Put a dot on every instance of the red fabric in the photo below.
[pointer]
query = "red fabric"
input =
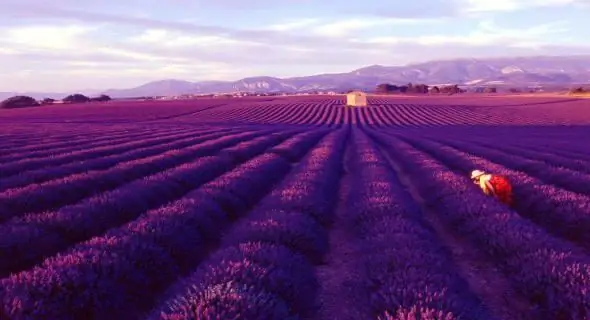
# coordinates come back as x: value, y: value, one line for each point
x: 502, y: 188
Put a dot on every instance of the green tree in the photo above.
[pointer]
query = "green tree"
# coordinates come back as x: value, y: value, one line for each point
x: 76, y: 98
x: 18, y: 102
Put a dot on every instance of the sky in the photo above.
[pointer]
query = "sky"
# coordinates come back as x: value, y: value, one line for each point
x: 68, y: 45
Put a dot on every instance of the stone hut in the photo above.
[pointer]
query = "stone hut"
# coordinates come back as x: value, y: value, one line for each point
x: 356, y: 99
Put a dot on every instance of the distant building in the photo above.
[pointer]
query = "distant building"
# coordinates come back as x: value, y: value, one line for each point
x: 356, y: 99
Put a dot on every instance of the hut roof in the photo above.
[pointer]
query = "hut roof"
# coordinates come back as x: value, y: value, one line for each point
x: 357, y: 92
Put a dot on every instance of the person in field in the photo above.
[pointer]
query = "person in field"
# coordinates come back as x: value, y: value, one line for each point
x: 493, y: 185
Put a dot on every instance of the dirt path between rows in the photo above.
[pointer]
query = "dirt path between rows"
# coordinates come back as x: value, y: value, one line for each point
x: 341, y: 288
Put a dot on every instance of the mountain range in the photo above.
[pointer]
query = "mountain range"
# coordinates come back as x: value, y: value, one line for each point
x: 502, y: 72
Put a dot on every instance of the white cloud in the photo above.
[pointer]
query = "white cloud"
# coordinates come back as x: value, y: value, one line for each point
x: 168, y: 38
x: 152, y: 36
x: 128, y: 54
x: 120, y: 55
x: 474, y: 6
x: 157, y: 71
x: 23, y: 74
x: 8, y: 51
x: 82, y: 63
x: 293, y: 25
x: 46, y: 37
x: 346, y: 26
x: 487, y: 33
x: 204, y: 41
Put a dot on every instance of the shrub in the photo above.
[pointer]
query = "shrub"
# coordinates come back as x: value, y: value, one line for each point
x: 578, y: 91
x: 76, y: 98
x: 101, y: 98
x: 18, y: 102
x: 47, y: 101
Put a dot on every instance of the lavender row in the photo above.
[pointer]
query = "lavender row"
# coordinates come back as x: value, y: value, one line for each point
x: 60, y: 142
x: 563, y: 177
x: 551, y: 273
x: 563, y: 148
x: 73, y: 146
x: 561, y: 212
x: 56, y: 193
x: 11, y: 144
x: 27, y: 240
x: 239, y: 190
x: 261, y: 174
x: 251, y: 280
x: 550, y: 134
x: 103, y: 163
x: 253, y: 178
x: 235, y: 194
x: 408, y: 271
x: 13, y: 168
x: 53, y: 231
x: 42, y: 141
x: 578, y: 150
x: 568, y: 147
x: 154, y: 249
x: 298, y: 148
x: 311, y: 188
x: 573, y: 147
x: 253, y: 173
x: 263, y: 269
x: 549, y: 158
x: 554, y: 169
x: 290, y: 149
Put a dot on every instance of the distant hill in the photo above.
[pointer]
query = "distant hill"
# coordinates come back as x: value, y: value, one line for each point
x: 518, y: 72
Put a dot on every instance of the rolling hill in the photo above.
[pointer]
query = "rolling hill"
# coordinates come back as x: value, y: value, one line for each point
x: 516, y: 71
x: 519, y: 71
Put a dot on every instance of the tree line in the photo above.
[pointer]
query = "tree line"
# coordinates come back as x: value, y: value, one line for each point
x: 579, y: 90
x: 386, y: 88
x: 26, y: 101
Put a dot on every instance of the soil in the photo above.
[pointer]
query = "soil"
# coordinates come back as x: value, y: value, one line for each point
x: 340, y: 294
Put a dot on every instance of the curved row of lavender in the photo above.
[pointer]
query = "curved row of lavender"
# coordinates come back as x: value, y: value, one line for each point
x: 310, y: 111
x: 177, y: 217
x: 411, y: 111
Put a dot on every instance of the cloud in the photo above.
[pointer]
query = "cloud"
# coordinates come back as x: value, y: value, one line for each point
x: 487, y: 33
x: 45, y: 36
x: 423, y: 9
x: 259, y: 35
x: 139, y: 56
x: 346, y: 26
x: 168, y: 38
x: 487, y: 38
x: 293, y: 24
x: 120, y: 48
x: 277, y: 33
x: 54, y: 13
x: 8, y: 51
x: 512, y: 5
x: 173, y: 69
x: 259, y: 54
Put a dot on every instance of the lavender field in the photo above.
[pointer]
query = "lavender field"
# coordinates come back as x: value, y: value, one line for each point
x: 295, y: 208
